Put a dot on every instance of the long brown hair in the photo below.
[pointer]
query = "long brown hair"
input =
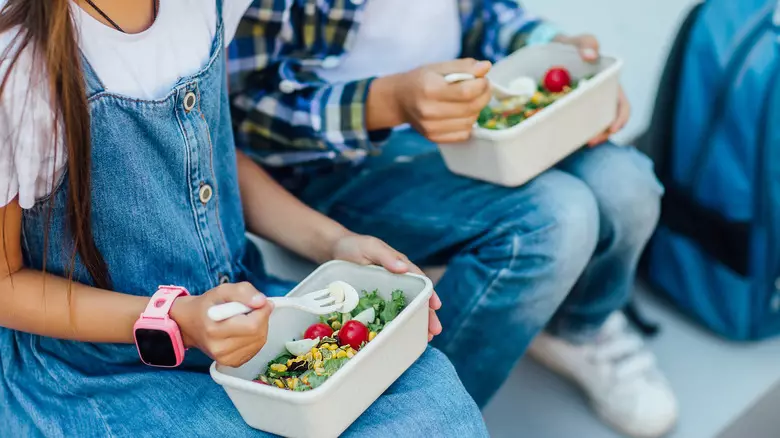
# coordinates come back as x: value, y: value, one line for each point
x: 46, y: 27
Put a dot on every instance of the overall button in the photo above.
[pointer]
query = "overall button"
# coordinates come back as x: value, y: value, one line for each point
x: 205, y: 193
x: 331, y: 62
x: 189, y: 101
x: 224, y: 279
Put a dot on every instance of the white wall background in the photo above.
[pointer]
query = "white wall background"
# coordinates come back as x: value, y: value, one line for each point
x: 638, y: 31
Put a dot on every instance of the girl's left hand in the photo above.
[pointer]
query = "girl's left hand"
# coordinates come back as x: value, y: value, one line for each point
x: 588, y: 47
x: 367, y: 250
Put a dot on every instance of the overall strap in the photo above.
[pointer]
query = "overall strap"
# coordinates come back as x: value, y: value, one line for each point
x: 91, y: 81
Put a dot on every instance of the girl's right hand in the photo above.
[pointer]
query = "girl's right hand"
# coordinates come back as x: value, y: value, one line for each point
x: 231, y: 342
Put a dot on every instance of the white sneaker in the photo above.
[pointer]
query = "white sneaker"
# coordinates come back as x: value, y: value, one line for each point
x: 618, y: 374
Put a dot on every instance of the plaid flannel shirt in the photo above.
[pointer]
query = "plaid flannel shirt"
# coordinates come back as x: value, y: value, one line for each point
x: 284, y: 115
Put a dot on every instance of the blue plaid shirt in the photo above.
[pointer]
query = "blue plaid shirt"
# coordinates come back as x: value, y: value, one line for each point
x: 284, y: 115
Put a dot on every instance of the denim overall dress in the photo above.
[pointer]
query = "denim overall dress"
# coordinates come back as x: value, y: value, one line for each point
x: 167, y: 210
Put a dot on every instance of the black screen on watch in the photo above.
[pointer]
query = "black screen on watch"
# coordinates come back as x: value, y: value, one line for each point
x: 155, y: 347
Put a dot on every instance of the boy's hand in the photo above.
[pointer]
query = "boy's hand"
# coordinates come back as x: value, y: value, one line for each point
x: 231, y: 342
x: 441, y: 111
x: 588, y: 47
x: 367, y: 250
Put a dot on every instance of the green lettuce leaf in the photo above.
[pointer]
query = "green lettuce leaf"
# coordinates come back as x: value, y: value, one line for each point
x: 393, y: 307
x: 333, y: 365
x: 371, y: 299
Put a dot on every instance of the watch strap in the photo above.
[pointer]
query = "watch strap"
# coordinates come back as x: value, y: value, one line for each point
x: 162, y: 300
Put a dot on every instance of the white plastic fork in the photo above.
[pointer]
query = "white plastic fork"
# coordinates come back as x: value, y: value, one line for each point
x: 458, y: 77
x: 320, y: 302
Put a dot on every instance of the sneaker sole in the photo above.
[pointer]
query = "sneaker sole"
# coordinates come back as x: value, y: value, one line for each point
x: 544, y: 360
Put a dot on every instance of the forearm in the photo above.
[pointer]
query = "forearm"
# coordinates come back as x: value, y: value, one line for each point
x: 272, y: 212
x: 382, y: 109
x: 34, y: 302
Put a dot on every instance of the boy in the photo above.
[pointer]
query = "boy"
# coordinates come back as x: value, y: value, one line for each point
x: 344, y: 102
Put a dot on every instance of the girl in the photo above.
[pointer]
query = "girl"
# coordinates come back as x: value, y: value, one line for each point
x: 122, y: 175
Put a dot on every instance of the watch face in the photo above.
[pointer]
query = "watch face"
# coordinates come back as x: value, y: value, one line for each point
x: 155, y: 347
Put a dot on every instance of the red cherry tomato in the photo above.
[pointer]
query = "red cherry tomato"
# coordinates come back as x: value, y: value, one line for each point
x: 318, y: 330
x: 556, y: 79
x: 353, y: 333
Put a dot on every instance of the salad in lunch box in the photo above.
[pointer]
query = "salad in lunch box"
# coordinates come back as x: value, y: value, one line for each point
x: 531, y: 98
x: 329, y: 344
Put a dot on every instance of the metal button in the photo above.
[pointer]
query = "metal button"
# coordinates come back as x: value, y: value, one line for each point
x: 189, y: 101
x: 287, y: 87
x: 331, y: 62
x: 224, y: 279
x: 205, y: 193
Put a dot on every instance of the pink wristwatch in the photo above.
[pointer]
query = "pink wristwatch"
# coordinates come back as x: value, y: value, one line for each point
x: 157, y: 336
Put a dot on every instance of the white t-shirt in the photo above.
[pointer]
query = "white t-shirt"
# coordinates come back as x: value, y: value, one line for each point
x: 392, y: 40
x: 144, y: 66
x: 397, y: 36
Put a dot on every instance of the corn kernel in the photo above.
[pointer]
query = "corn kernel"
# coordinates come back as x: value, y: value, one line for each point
x: 305, y: 380
x: 371, y: 336
x: 537, y: 97
x: 332, y: 347
x: 318, y: 355
x: 336, y: 325
x: 350, y: 353
x: 279, y: 367
x: 314, y: 350
x: 341, y: 354
x: 279, y: 383
x: 325, y: 346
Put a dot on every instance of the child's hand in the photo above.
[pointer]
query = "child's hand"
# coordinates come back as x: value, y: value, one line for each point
x: 441, y: 111
x: 588, y: 47
x: 367, y: 250
x: 231, y: 342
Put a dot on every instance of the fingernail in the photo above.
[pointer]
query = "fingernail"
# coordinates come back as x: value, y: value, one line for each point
x: 258, y: 300
x: 483, y: 64
x: 398, y: 264
x: 589, y: 53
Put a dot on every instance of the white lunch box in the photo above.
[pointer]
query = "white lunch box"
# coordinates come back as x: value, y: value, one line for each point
x: 328, y: 410
x: 511, y: 157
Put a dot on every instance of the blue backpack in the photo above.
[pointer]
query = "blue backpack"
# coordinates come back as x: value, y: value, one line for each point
x: 715, y: 135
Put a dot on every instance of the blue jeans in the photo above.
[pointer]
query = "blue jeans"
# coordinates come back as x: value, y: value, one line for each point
x: 427, y: 400
x: 559, y: 252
